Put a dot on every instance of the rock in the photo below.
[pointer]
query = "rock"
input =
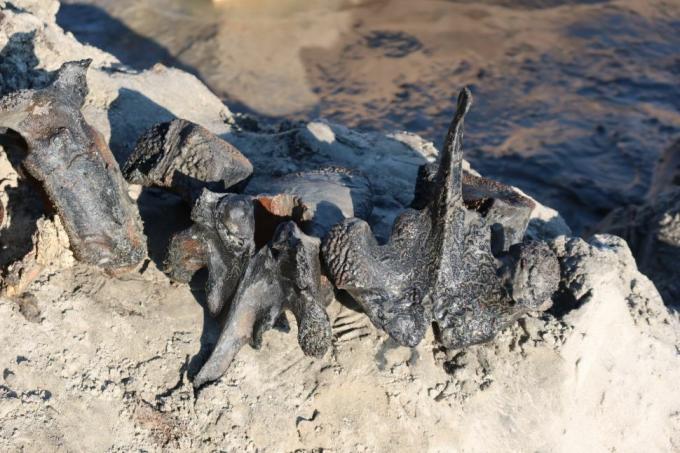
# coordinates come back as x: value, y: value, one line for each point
x: 50, y: 249
x: 667, y: 172
x: 328, y: 195
x: 652, y: 229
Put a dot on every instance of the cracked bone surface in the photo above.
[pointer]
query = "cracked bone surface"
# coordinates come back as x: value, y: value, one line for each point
x: 439, y: 263
x: 284, y: 274
x: 75, y: 167
x: 262, y: 254
x: 186, y: 158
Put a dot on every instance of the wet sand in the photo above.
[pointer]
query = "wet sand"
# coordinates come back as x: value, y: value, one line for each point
x: 575, y: 101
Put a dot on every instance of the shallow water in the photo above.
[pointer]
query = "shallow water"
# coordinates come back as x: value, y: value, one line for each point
x: 575, y: 100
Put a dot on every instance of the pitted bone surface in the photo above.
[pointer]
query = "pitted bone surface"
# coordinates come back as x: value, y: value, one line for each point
x: 439, y: 263
x: 186, y: 158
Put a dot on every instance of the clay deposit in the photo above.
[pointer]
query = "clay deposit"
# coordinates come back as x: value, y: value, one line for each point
x: 95, y: 363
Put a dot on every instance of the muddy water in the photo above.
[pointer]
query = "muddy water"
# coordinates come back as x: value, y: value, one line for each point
x: 575, y: 100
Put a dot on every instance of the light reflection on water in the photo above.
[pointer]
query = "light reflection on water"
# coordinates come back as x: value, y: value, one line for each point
x: 574, y: 100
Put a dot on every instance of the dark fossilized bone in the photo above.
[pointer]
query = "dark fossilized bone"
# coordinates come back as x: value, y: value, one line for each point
x: 284, y: 274
x: 439, y: 263
x: 499, y: 203
x: 456, y: 258
x: 77, y: 170
x: 261, y: 260
x: 222, y: 239
x: 186, y: 158
x: 229, y: 228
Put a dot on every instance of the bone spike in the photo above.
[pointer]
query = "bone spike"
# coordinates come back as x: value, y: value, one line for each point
x: 449, y: 175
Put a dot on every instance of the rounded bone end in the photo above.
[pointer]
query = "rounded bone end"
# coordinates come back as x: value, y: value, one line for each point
x: 534, y: 275
x: 314, y: 333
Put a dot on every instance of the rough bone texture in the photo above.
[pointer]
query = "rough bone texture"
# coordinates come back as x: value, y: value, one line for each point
x: 186, y: 158
x: 498, y: 203
x: 221, y: 239
x: 257, y: 283
x: 76, y: 169
x: 285, y: 274
x: 261, y: 262
x: 446, y: 262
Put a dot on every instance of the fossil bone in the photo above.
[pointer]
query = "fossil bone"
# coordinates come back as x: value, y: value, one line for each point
x: 76, y: 169
x: 439, y: 263
x: 284, y: 274
x: 262, y: 255
x: 186, y: 158
x: 222, y: 239
x: 498, y: 203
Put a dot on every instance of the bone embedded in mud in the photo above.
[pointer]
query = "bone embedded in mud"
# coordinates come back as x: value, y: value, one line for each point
x: 260, y: 261
x: 222, y: 239
x: 448, y: 262
x: 76, y: 169
x: 285, y: 274
x: 256, y: 283
x: 186, y: 158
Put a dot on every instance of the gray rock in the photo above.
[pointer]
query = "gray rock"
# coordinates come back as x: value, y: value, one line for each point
x: 652, y: 229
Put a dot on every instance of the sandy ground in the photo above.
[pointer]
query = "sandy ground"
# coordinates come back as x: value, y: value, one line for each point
x: 94, y: 363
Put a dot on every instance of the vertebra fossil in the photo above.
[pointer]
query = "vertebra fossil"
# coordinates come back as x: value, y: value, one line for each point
x: 76, y: 169
x: 439, y: 264
x: 457, y: 259
x: 260, y: 261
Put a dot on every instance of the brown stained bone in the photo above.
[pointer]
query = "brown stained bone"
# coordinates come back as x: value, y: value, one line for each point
x: 186, y: 158
x: 229, y: 228
x: 221, y: 239
x: 76, y: 169
x: 257, y: 281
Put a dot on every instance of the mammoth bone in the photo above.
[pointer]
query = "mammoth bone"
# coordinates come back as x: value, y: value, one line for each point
x: 75, y: 167
x: 262, y: 254
x: 186, y: 158
x: 446, y: 262
x: 456, y: 258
